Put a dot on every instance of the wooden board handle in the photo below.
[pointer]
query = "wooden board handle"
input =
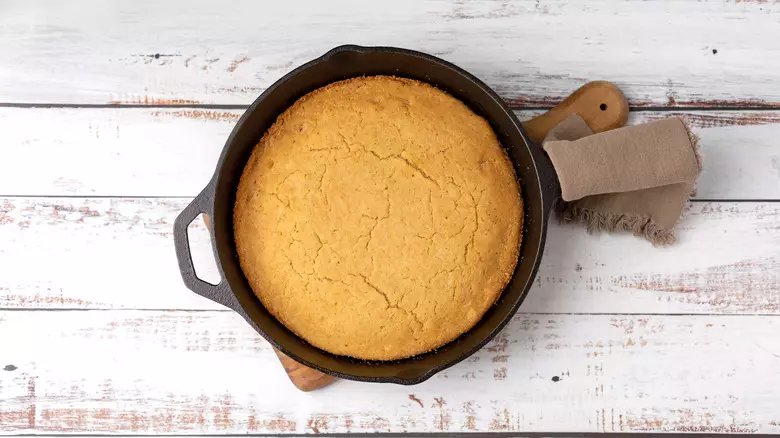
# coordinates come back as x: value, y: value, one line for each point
x: 600, y: 103
x: 303, y: 377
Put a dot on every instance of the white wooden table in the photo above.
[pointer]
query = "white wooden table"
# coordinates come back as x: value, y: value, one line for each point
x: 112, y: 115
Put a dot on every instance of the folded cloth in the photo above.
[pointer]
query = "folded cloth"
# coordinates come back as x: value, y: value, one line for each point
x: 637, y: 178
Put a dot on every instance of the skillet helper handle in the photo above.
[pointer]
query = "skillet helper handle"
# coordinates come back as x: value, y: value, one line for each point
x: 304, y: 378
x: 215, y: 292
x: 600, y: 103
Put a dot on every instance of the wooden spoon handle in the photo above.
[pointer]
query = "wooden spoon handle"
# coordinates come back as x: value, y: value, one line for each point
x: 303, y: 377
x: 600, y: 103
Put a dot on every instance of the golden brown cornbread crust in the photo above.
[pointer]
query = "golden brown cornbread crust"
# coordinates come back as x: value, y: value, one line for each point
x: 378, y: 218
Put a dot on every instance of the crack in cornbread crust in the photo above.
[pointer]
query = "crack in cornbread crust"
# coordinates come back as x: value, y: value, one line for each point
x: 378, y: 218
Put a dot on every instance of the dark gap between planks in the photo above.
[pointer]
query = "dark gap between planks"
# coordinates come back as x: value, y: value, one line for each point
x: 703, y: 107
x: 76, y: 309
x: 190, y: 197
x: 420, y: 434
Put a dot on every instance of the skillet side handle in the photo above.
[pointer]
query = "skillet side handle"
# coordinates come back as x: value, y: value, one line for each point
x: 600, y: 103
x: 218, y: 293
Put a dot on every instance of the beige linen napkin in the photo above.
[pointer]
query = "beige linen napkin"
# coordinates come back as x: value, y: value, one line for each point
x: 637, y: 178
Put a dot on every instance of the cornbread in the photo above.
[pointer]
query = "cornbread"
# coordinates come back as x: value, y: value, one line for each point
x: 378, y: 218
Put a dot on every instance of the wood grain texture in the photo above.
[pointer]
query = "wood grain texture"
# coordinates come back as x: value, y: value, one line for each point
x: 77, y: 253
x: 207, y: 372
x: 533, y: 53
x: 601, y: 104
x: 303, y: 377
x: 173, y: 152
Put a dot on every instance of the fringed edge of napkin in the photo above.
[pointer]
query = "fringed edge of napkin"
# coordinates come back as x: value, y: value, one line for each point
x: 640, y: 226
x: 694, y: 140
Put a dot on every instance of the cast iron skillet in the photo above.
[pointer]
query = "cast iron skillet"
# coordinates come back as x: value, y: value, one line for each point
x: 538, y: 183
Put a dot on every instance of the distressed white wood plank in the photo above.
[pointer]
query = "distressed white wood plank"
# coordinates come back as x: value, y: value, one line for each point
x: 207, y: 372
x: 97, y: 253
x: 118, y: 253
x: 110, y: 152
x: 533, y: 53
x: 172, y: 152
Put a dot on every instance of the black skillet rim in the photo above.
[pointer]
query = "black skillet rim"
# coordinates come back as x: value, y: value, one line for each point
x: 538, y: 161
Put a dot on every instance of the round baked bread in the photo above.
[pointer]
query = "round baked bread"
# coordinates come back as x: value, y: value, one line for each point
x: 378, y: 218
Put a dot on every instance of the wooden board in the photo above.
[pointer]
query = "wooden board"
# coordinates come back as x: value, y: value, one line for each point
x: 76, y: 253
x: 661, y: 53
x: 173, y: 152
x: 207, y: 372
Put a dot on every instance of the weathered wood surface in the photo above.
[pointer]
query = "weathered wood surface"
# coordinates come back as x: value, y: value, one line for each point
x: 172, y: 152
x: 76, y: 253
x: 99, y: 335
x: 534, y: 53
x: 207, y: 372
